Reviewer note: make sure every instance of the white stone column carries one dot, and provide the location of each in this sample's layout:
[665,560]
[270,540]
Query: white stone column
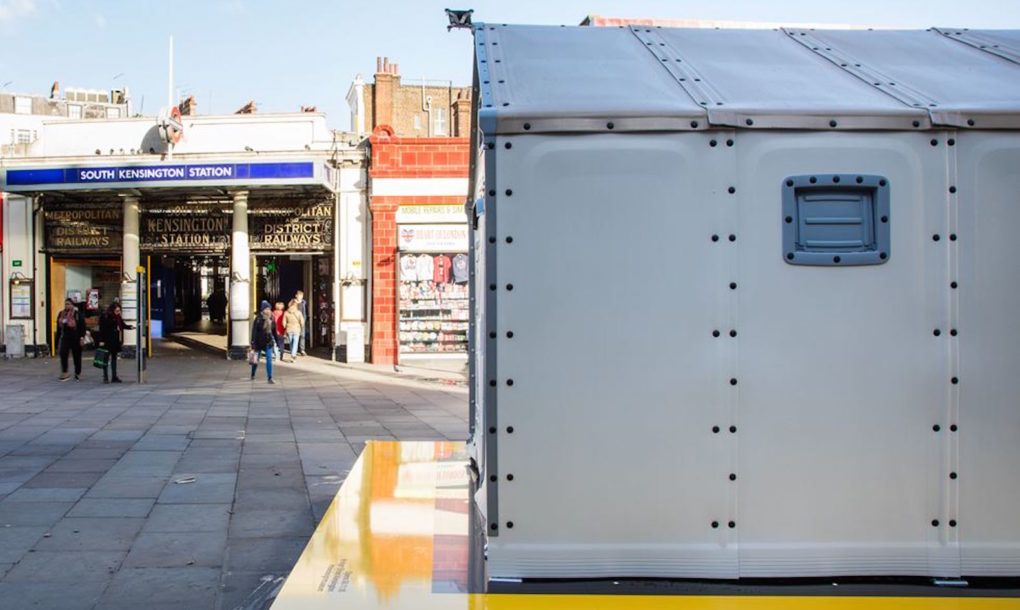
[129,268]
[240,279]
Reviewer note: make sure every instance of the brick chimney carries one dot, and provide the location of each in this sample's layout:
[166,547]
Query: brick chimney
[462,115]
[387,79]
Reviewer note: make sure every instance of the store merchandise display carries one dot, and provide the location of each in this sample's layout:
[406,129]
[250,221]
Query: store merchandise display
[433,303]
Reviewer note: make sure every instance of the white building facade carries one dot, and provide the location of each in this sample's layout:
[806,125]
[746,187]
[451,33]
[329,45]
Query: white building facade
[255,206]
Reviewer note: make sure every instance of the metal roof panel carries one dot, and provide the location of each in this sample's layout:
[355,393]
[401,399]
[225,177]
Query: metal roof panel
[576,78]
[959,84]
[638,78]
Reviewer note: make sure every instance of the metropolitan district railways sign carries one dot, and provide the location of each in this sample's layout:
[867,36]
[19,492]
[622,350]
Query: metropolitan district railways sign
[84,229]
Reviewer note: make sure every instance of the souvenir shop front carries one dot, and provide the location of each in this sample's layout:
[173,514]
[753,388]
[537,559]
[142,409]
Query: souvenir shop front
[433,281]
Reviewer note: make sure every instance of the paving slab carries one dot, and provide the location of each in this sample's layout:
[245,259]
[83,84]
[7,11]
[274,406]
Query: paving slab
[112,507]
[66,566]
[44,596]
[203,488]
[271,522]
[16,541]
[87,492]
[265,555]
[194,588]
[47,494]
[91,534]
[176,549]
[188,518]
[32,513]
[126,486]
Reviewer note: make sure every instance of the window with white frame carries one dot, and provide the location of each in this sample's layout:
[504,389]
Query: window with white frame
[417,121]
[22,105]
[74,111]
[23,136]
[113,113]
[439,121]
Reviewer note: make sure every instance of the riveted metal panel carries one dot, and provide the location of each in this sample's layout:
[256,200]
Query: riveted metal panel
[840,376]
[987,296]
[611,269]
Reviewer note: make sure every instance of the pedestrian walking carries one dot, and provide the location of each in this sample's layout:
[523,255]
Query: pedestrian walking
[302,305]
[70,338]
[294,324]
[111,336]
[278,320]
[263,339]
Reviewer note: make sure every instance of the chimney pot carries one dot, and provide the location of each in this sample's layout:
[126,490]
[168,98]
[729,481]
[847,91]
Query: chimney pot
[378,64]
[396,71]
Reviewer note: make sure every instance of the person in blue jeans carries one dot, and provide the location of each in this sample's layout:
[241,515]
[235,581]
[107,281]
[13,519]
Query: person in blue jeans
[294,324]
[263,339]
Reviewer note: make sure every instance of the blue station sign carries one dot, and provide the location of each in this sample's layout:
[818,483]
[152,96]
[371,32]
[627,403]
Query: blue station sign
[146,174]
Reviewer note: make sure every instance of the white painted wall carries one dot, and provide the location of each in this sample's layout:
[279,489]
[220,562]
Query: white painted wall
[17,245]
[268,133]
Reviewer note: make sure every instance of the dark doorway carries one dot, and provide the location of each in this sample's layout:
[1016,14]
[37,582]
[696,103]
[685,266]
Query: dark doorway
[189,299]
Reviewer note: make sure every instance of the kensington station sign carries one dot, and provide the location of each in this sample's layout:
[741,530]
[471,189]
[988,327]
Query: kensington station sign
[163,174]
[183,230]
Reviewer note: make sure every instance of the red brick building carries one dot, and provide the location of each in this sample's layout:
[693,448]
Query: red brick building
[418,187]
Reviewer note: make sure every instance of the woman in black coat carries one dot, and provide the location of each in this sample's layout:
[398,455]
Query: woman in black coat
[70,337]
[111,336]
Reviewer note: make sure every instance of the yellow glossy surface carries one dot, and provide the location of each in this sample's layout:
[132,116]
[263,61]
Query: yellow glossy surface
[397,537]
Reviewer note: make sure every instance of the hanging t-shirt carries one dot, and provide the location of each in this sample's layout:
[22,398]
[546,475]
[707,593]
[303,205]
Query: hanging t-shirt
[441,269]
[408,268]
[424,267]
[460,268]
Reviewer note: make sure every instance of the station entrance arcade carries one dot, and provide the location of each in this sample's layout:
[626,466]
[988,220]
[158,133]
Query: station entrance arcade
[215,239]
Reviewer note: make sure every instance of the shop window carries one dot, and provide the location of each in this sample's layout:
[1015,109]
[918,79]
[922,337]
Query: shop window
[74,111]
[836,220]
[22,105]
[433,303]
[113,113]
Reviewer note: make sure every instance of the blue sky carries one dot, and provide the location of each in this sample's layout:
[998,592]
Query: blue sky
[305,52]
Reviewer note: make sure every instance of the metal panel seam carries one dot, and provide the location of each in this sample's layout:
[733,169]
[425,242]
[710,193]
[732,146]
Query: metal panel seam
[981,43]
[952,203]
[491,383]
[685,74]
[869,75]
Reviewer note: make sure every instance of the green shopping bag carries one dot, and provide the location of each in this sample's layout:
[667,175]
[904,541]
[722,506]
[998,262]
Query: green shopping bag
[101,359]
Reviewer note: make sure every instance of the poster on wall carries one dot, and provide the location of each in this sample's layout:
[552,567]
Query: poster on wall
[75,296]
[84,228]
[21,300]
[92,299]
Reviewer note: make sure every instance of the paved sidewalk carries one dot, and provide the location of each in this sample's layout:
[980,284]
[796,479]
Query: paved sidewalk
[196,490]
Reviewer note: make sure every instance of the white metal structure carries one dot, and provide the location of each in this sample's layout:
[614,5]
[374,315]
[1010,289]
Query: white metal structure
[745,302]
